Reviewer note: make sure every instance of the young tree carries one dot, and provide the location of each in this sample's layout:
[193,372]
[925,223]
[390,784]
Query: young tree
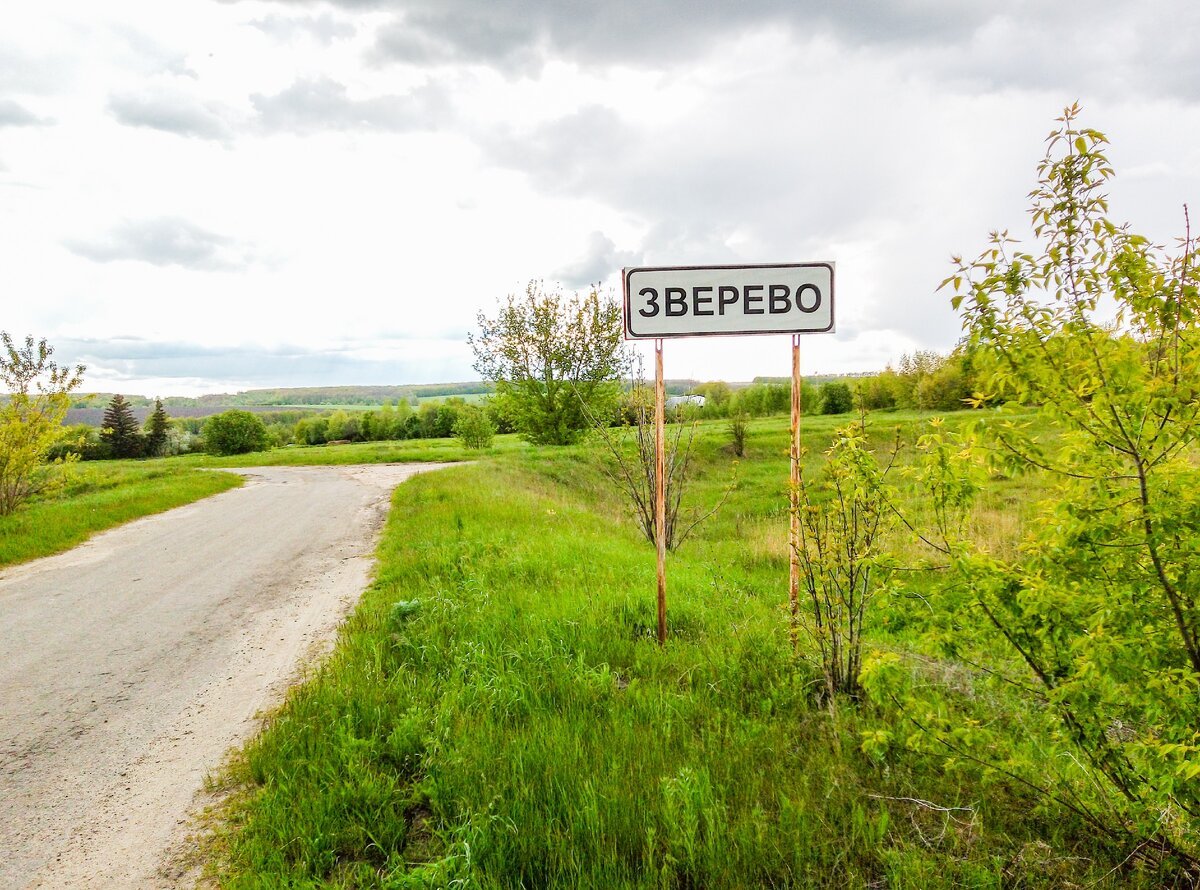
[836,398]
[555,361]
[157,428]
[716,394]
[433,421]
[844,518]
[879,392]
[631,467]
[120,429]
[474,428]
[738,428]
[234,432]
[310,431]
[31,418]
[1099,328]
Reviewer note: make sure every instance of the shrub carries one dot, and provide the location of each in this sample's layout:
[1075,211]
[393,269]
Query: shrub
[739,425]
[234,432]
[31,416]
[836,398]
[474,428]
[1097,326]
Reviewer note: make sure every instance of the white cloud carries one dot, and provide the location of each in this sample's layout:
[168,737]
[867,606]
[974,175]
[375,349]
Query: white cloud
[14,114]
[171,113]
[317,104]
[164,241]
[324,28]
[316,182]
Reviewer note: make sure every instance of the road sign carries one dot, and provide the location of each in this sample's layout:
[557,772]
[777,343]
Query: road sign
[700,301]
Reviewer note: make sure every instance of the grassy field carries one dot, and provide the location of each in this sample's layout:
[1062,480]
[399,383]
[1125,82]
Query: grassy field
[100,495]
[404,451]
[498,714]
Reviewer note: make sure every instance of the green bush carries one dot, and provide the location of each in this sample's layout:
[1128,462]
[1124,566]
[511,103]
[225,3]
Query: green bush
[474,428]
[836,398]
[234,432]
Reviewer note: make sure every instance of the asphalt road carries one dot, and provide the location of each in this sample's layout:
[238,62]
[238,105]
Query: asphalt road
[130,666]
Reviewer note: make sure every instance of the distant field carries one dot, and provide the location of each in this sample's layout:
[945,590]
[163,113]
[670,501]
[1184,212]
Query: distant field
[404,451]
[95,416]
[471,398]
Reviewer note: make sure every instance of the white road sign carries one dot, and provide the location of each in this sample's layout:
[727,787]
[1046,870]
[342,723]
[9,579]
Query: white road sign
[699,301]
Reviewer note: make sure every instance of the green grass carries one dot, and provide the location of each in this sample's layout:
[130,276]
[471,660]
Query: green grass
[97,496]
[405,451]
[497,713]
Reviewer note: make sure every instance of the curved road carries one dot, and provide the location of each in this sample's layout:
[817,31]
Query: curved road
[129,666]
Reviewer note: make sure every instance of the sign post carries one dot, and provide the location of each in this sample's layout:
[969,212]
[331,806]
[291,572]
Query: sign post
[705,301]
[794,492]
[660,489]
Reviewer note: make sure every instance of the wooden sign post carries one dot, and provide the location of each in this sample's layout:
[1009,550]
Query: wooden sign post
[794,489]
[705,301]
[660,488]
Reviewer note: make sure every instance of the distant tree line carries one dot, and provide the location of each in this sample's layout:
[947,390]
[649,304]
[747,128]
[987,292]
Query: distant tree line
[120,435]
[315,396]
[923,380]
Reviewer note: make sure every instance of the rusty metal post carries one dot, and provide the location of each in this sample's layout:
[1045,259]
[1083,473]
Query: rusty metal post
[660,489]
[794,488]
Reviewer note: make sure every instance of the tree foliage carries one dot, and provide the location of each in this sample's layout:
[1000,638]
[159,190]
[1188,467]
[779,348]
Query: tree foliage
[31,418]
[836,398]
[157,430]
[1099,327]
[474,428]
[555,360]
[844,516]
[632,468]
[120,429]
[234,432]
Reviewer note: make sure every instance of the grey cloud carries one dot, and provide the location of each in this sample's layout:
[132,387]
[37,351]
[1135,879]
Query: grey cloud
[599,260]
[644,32]
[750,167]
[322,28]
[569,153]
[309,106]
[510,33]
[164,241]
[220,368]
[1120,53]
[1118,47]
[741,181]
[13,114]
[177,114]
[153,56]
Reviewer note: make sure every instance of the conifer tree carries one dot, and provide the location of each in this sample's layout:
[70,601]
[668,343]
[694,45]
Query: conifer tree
[156,430]
[121,429]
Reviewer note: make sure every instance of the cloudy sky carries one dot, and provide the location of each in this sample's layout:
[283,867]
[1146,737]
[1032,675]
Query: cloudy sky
[203,196]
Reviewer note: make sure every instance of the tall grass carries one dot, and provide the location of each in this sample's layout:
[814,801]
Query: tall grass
[498,714]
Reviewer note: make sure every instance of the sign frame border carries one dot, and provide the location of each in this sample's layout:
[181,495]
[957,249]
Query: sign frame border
[627,307]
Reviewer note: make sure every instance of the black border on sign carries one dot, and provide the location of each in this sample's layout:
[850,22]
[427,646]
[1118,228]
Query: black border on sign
[630,335]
